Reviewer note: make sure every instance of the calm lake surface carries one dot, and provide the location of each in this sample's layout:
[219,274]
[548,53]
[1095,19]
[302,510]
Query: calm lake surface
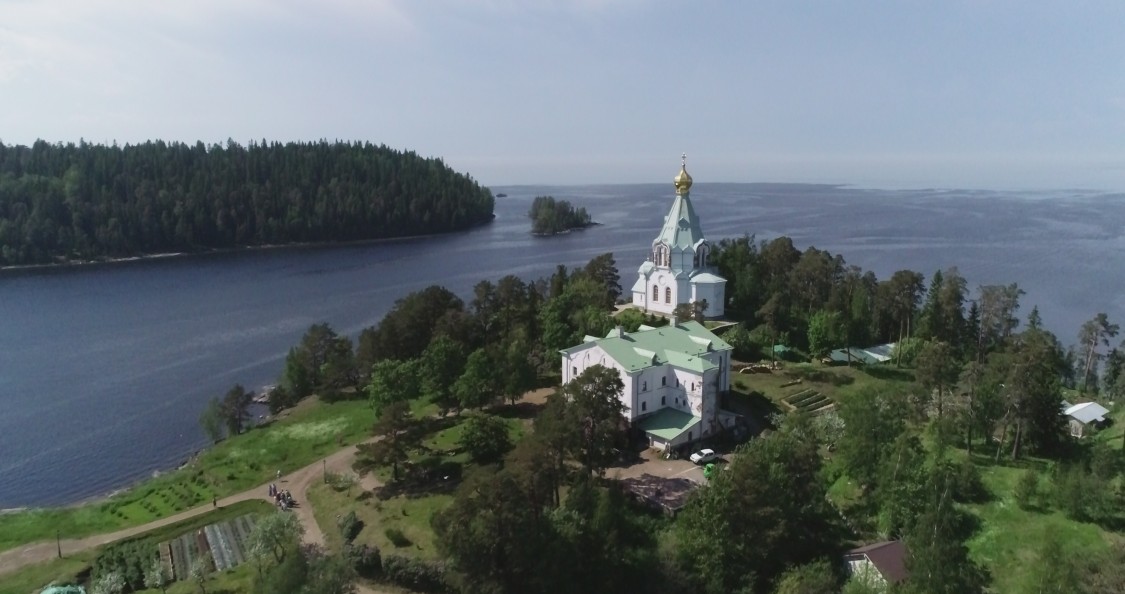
[105,369]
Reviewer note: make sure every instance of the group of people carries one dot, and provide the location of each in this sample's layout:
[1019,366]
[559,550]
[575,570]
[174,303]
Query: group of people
[282,499]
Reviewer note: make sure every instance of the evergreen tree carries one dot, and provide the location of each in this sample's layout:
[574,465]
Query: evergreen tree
[80,202]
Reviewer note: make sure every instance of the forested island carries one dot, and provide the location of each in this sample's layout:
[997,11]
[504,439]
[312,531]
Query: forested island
[82,202]
[551,217]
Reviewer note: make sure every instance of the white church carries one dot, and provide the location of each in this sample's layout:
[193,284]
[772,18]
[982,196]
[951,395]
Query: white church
[672,375]
[677,269]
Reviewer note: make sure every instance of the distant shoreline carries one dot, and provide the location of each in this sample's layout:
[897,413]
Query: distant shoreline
[82,264]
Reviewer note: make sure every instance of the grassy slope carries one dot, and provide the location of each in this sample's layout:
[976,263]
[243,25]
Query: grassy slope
[302,436]
[32,578]
[1009,537]
[409,513]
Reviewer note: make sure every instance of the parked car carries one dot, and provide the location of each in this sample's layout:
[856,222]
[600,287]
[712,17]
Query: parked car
[704,456]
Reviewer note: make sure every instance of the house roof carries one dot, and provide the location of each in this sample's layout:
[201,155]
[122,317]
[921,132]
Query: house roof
[869,356]
[668,423]
[683,345]
[889,557]
[1087,412]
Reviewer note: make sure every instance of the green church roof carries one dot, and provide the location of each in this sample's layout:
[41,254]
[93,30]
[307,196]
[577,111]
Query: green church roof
[682,345]
[681,227]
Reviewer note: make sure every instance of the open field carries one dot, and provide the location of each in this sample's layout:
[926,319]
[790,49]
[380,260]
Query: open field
[297,438]
[34,577]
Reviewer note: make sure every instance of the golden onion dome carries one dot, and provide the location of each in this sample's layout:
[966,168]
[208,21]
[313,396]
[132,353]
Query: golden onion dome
[682,180]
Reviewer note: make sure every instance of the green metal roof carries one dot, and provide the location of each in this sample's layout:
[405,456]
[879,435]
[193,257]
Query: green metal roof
[681,226]
[668,423]
[681,345]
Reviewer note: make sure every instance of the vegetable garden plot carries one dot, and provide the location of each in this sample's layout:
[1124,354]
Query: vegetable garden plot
[224,543]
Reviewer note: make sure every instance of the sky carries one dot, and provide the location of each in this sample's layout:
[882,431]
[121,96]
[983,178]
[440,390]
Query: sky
[996,94]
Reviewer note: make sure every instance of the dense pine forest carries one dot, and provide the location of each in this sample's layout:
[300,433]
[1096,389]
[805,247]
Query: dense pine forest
[82,202]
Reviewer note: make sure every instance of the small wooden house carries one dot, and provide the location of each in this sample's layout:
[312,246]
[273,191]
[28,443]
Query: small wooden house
[1085,418]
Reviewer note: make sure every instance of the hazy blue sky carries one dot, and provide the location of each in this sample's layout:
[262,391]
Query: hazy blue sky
[899,93]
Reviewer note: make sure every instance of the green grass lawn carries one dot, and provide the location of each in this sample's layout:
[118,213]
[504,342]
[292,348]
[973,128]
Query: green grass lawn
[1009,538]
[303,435]
[65,570]
[410,514]
[835,382]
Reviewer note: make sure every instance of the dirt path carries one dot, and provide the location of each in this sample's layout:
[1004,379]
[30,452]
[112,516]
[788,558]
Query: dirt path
[296,482]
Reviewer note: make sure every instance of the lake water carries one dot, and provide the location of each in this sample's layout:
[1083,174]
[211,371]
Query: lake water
[105,369]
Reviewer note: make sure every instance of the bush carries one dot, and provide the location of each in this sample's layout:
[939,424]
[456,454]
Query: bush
[396,537]
[969,486]
[1081,495]
[486,438]
[365,559]
[415,574]
[349,526]
[1026,492]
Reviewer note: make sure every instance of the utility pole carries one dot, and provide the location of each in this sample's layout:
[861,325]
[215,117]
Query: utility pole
[58,543]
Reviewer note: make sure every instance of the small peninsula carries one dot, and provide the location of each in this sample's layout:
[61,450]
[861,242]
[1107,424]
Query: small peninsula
[552,217]
[64,203]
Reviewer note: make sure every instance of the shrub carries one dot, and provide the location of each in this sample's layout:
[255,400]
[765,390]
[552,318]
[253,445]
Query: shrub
[349,526]
[1082,496]
[396,537]
[969,486]
[365,559]
[1026,492]
[415,574]
[486,438]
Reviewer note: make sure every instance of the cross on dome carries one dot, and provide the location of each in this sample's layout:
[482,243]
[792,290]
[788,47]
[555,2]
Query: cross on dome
[682,181]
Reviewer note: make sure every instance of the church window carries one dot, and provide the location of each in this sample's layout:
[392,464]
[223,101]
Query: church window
[573,371]
[664,381]
[667,294]
[689,435]
[663,400]
[644,406]
[644,386]
[655,293]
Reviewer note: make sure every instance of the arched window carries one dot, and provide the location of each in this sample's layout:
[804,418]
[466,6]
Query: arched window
[644,386]
[667,294]
[655,293]
[573,371]
[644,406]
[663,400]
[664,381]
